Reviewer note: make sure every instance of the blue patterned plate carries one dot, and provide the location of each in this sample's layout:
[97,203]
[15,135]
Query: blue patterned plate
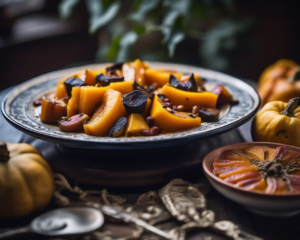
[18,110]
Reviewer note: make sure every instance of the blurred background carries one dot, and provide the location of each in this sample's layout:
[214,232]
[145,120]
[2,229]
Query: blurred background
[240,38]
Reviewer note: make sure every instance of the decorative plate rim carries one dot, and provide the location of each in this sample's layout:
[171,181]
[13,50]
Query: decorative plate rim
[68,138]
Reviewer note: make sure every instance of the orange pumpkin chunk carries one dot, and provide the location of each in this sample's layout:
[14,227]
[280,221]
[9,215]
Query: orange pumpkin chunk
[190,99]
[108,113]
[159,76]
[73,104]
[170,122]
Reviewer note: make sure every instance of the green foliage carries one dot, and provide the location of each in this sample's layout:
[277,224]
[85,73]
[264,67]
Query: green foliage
[114,48]
[175,19]
[142,7]
[126,42]
[66,7]
[104,18]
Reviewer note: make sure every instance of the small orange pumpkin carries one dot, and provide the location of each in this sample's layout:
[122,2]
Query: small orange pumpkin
[279,82]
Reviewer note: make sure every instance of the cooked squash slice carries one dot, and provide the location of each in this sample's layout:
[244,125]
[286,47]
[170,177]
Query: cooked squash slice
[73,104]
[122,87]
[89,98]
[135,125]
[61,90]
[52,111]
[107,114]
[190,99]
[146,113]
[159,76]
[171,122]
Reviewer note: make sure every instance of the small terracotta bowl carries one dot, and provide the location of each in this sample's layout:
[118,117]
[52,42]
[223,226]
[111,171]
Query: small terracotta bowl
[261,203]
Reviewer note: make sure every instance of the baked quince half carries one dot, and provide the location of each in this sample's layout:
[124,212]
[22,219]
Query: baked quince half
[260,169]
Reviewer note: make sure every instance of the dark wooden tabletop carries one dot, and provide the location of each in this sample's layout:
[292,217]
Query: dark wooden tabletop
[264,227]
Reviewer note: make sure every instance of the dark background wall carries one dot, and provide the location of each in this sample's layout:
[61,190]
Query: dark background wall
[36,41]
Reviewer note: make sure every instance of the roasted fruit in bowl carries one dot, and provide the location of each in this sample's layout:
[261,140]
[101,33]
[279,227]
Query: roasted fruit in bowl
[278,122]
[97,101]
[262,176]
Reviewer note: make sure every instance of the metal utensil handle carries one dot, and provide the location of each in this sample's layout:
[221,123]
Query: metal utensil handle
[118,214]
[15,231]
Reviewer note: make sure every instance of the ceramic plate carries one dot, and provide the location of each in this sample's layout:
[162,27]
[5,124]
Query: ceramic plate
[17,108]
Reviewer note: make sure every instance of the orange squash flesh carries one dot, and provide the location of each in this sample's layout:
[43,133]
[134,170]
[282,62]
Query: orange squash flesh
[146,113]
[237,167]
[135,125]
[122,87]
[91,96]
[169,122]
[89,77]
[73,104]
[108,113]
[61,90]
[190,99]
[159,76]
[52,111]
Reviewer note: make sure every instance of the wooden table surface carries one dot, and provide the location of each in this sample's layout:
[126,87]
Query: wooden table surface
[264,227]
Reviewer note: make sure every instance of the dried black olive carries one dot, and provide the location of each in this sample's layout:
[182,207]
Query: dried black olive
[135,102]
[190,86]
[116,66]
[105,80]
[73,82]
[118,127]
[209,114]
[137,86]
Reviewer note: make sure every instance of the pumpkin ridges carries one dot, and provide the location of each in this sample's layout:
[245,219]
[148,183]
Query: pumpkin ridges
[16,164]
[274,82]
[3,192]
[21,148]
[270,125]
[19,201]
[26,182]
[30,176]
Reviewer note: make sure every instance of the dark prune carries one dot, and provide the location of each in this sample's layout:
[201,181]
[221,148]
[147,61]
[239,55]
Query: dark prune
[118,127]
[135,102]
[105,80]
[137,86]
[73,82]
[209,114]
[115,66]
[190,85]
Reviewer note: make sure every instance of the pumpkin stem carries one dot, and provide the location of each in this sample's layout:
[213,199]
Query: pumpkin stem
[296,76]
[4,153]
[292,105]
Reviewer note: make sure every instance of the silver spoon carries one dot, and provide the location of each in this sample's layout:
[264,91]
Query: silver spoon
[78,220]
[62,222]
